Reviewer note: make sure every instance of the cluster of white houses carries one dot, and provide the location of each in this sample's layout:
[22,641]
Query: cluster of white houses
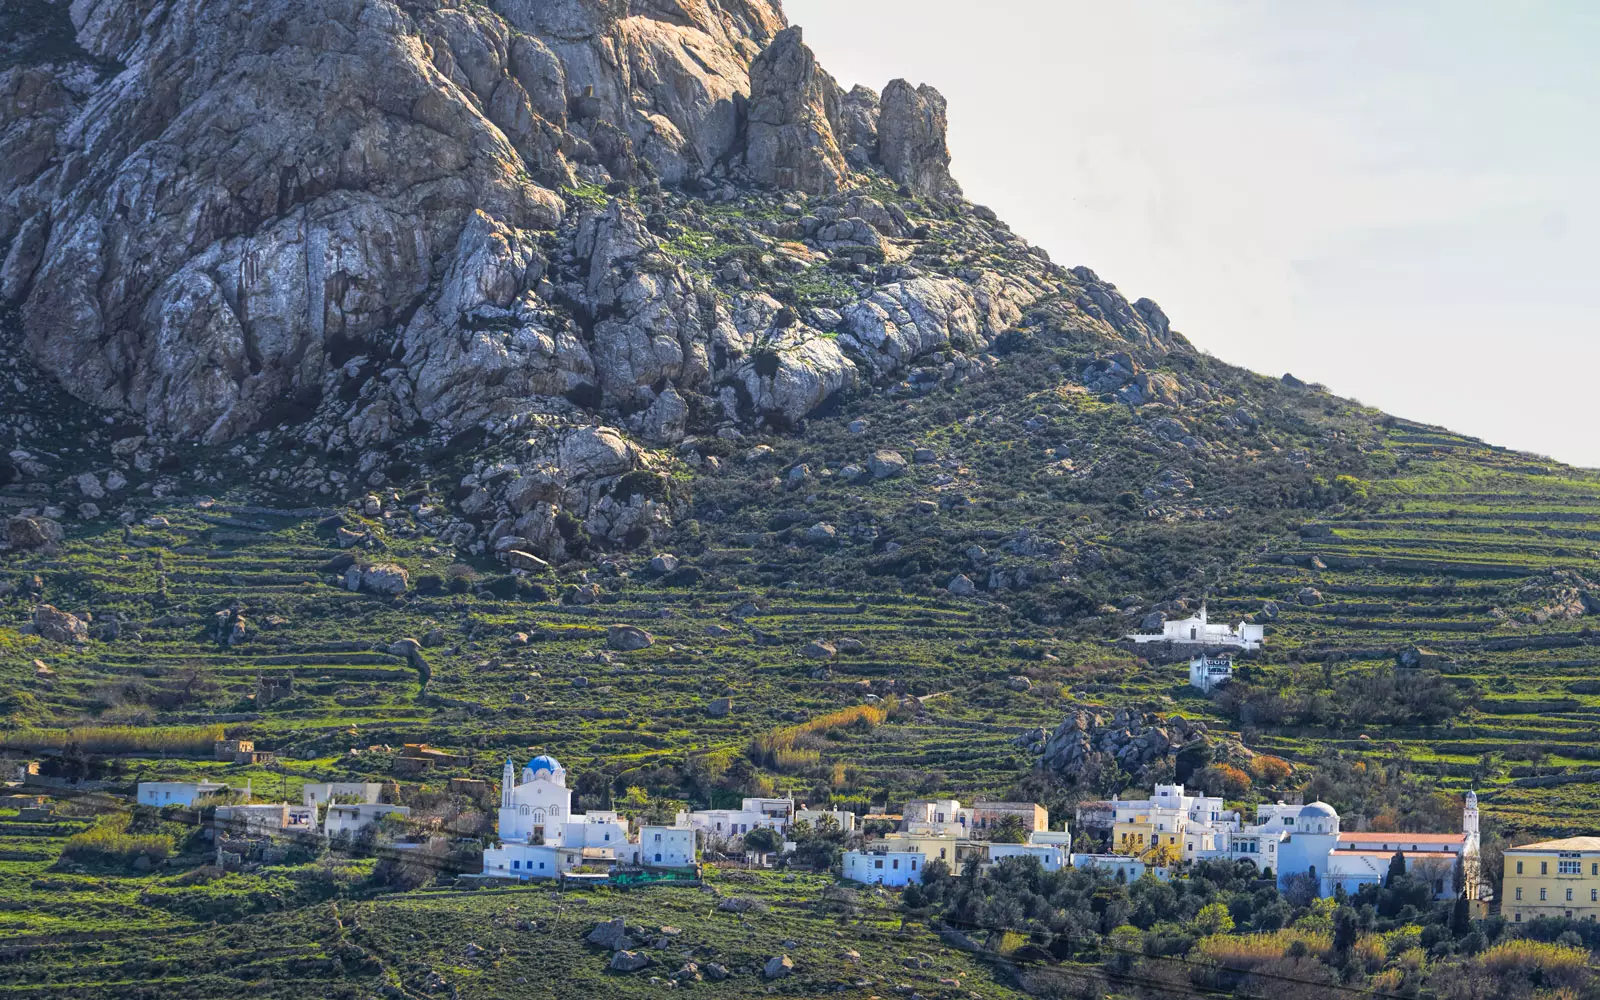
[345,807]
[1288,840]
[539,836]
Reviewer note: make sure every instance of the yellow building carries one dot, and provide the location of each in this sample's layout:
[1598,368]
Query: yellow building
[1553,878]
[931,846]
[1133,835]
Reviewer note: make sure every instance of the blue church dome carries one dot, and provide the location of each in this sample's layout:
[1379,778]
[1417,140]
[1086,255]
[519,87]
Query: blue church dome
[544,762]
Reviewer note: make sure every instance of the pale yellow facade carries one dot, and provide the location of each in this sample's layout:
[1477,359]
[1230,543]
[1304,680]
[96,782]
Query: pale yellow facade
[1139,835]
[1553,878]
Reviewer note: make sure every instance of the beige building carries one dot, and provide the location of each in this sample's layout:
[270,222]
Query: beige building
[986,815]
[1553,878]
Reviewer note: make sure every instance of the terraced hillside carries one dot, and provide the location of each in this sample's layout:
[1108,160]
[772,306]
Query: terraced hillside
[1484,558]
[1407,535]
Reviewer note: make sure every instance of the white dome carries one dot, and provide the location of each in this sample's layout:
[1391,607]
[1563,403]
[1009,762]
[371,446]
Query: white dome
[1318,809]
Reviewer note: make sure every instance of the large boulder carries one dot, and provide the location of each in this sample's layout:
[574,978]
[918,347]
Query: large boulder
[26,533]
[388,579]
[793,119]
[59,626]
[630,961]
[628,638]
[886,464]
[777,967]
[611,934]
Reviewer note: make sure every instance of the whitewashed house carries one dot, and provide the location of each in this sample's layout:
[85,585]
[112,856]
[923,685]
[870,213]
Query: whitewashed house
[177,793]
[321,793]
[1207,672]
[1051,856]
[665,847]
[881,866]
[1129,869]
[753,814]
[1202,631]
[354,817]
[1170,817]
[934,817]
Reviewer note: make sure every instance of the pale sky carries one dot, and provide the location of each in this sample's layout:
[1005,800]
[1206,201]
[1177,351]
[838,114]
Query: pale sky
[1396,199]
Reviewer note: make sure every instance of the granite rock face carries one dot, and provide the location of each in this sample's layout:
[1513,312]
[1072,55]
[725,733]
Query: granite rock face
[581,228]
[791,140]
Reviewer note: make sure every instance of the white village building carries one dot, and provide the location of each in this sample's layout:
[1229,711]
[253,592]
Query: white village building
[881,865]
[540,835]
[1171,817]
[945,831]
[717,825]
[843,818]
[353,817]
[1207,672]
[321,793]
[268,818]
[1200,630]
[1315,845]
[177,793]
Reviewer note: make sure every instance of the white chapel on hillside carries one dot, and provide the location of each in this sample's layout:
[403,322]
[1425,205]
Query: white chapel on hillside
[1200,630]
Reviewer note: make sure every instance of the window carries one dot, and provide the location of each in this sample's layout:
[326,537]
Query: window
[1594,869]
[1569,895]
[1542,895]
[878,863]
[541,866]
[516,864]
[1519,892]
[1519,868]
[658,838]
[895,864]
[913,864]
[1569,868]
[1519,916]
[658,855]
[1544,868]
[1594,895]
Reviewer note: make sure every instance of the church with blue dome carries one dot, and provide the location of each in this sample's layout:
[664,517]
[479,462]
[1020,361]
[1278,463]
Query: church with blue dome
[540,836]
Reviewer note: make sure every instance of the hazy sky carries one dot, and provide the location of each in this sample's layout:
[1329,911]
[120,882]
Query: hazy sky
[1399,200]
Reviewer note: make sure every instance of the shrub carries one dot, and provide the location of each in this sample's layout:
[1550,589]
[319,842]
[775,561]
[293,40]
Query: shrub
[110,843]
[776,748]
[1245,951]
[195,740]
[1543,963]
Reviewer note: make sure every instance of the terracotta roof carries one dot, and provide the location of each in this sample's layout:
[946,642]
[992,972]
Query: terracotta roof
[1403,838]
[1390,854]
[1569,844]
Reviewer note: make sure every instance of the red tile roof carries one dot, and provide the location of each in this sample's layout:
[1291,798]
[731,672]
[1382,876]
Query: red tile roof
[1402,838]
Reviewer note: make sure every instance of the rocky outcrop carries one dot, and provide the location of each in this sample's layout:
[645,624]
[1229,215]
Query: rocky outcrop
[791,136]
[1087,745]
[911,139]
